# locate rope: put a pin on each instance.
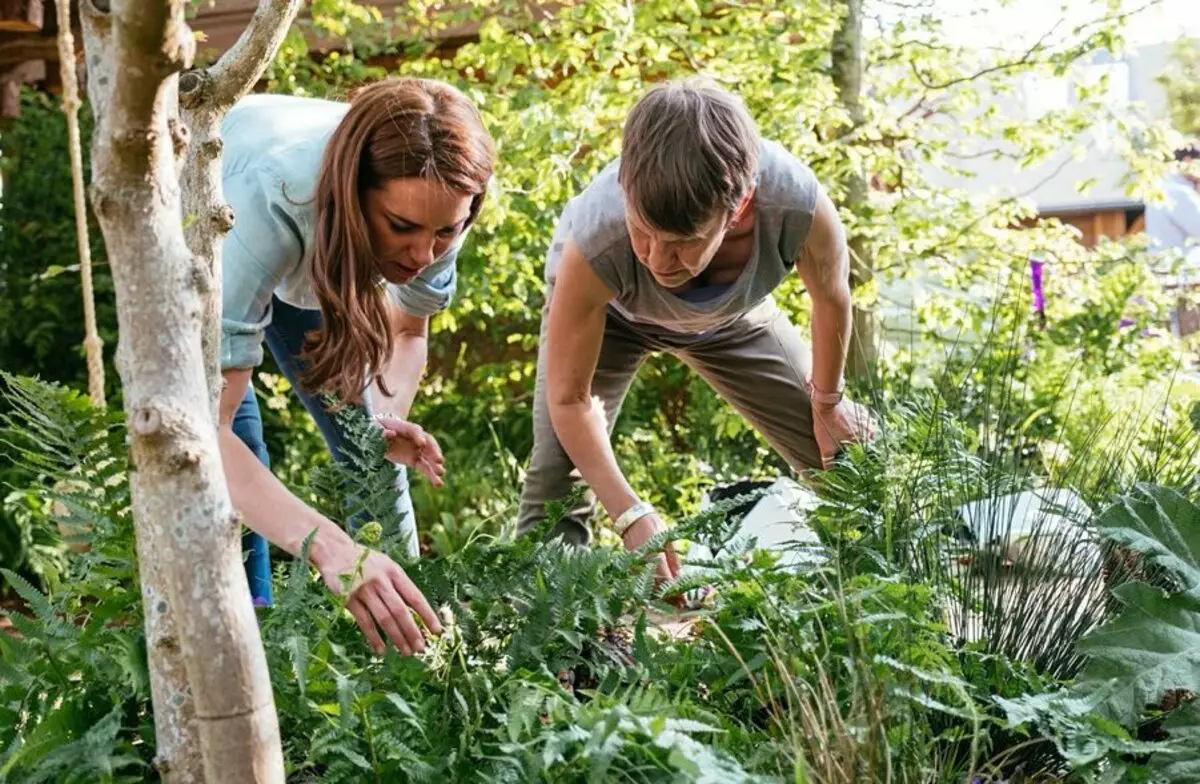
(92, 345)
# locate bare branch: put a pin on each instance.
(240, 68)
(1024, 60)
(1118, 17)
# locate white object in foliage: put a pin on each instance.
(776, 522)
(1048, 525)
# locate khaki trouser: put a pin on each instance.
(758, 365)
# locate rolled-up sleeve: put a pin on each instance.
(257, 254)
(432, 291)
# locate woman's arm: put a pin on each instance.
(379, 593)
(409, 443)
(410, 351)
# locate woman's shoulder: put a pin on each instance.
(273, 146)
(280, 137)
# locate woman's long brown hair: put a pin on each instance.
(403, 127)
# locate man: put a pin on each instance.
(677, 246)
(1175, 223)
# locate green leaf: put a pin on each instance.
(1161, 524)
(1180, 764)
(358, 759)
(36, 599)
(298, 648)
(1152, 647)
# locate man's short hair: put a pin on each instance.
(1188, 152)
(690, 150)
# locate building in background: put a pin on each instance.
(1104, 208)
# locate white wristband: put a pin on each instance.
(632, 515)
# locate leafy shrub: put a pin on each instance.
(561, 663)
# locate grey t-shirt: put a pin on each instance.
(785, 200)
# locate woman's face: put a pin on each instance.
(413, 221)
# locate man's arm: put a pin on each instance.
(824, 265)
(575, 331)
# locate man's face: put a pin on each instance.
(674, 260)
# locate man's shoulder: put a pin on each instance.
(596, 216)
(785, 181)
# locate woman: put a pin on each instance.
(349, 219)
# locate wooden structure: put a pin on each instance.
(1097, 221)
(27, 30)
(29, 51)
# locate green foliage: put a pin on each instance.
(1142, 665)
(558, 663)
(1164, 527)
(1152, 648)
(74, 688)
(554, 666)
(1181, 80)
(39, 262)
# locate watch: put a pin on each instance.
(825, 398)
(632, 515)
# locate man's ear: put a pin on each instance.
(743, 206)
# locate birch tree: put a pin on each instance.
(847, 61)
(214, 711)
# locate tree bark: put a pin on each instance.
(92, 345)
(847, 67)
(177, 735)
(195, 592)
(205, 96)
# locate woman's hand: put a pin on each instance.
(642, 530)
(381, 596)
(410, 445)
(840, 424)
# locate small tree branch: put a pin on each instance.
(205, 97)
(1025, 59)
(240, 68)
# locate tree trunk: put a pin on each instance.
(196, 597)
(205, 96)
(177, 738)
(847, 61)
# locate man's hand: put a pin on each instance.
(381, 596)
(642, 530)
(410, 445)
(840, 424)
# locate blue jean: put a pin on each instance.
(285, 339)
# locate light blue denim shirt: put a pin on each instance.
(273, 146)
